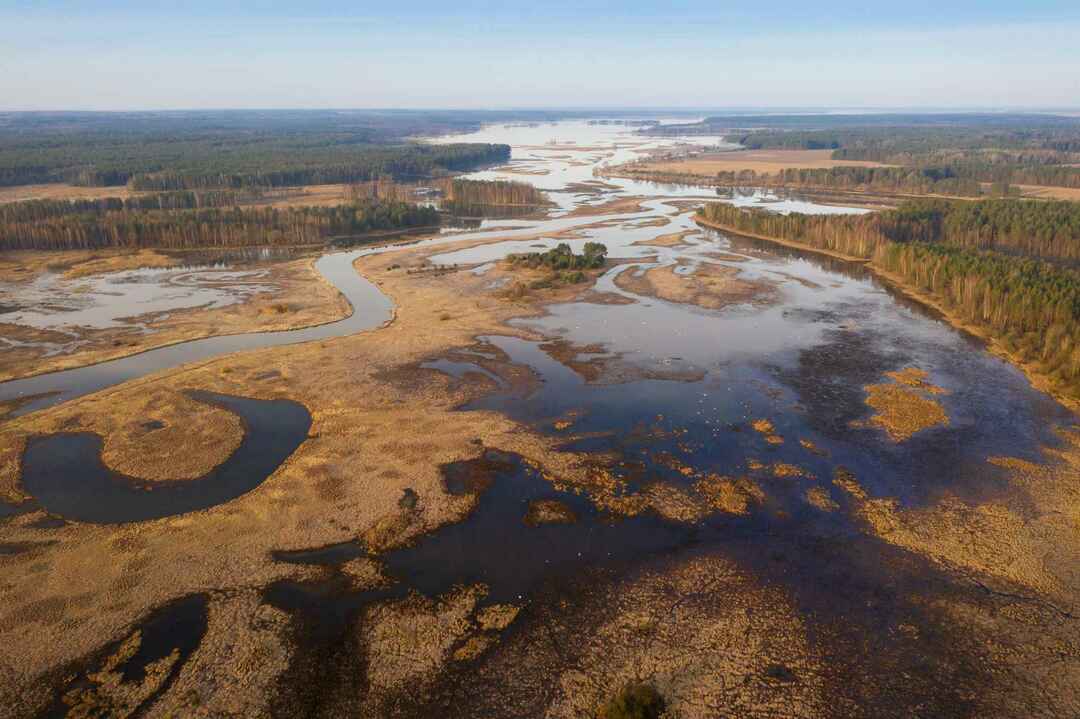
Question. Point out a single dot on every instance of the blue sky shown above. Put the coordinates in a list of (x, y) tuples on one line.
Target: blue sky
[(330, 53)]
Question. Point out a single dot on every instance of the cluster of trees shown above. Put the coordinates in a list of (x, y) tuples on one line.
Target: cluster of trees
[(1032, 305), (562, 258), (472, 198), (210, 227), (491, 192)]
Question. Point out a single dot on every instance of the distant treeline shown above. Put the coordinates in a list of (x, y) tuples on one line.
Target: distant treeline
[(209, 227), (34, 210), (208, 151), (240, 148), (968, 256), (405, 162), (1019, 156), (958, 150)]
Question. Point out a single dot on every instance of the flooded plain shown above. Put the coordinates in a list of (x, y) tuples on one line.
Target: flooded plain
[(749, 418)]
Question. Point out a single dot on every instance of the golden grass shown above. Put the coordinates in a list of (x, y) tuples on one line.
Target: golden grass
[(61, 191), (153, 439), (671, 239), (726, 494), (119, 262), (818, 497), (767, 161), (1045, 192), (711, 286), (903, 408)]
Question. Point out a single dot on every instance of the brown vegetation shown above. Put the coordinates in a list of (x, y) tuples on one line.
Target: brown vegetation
[(709, 285), (903, 407)]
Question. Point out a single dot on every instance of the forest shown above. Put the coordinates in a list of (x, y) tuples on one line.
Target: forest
[(983, 261), (932, 153), (208, 227), (212, 218), (236, 149), (244, 148)]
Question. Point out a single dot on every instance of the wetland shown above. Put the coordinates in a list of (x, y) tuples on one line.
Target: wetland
[(757, 480)]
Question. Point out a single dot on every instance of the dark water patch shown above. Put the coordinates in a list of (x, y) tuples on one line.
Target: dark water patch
[(828, 378), (9, 510), (879, 640), (408, 499), (13, 548), (176, 627), (460, 370), (66, 476), (328, 555), (48, 522)]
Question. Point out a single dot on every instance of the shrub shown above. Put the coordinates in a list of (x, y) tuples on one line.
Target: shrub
[(635, 701)]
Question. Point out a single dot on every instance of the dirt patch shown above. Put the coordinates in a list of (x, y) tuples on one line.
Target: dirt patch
[(768, 161), (118, 262), (61, 191), (708, 285), (671, 239)]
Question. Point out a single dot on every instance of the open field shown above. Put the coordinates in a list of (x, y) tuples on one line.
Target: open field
[(1045, 192), (317, 195), (770, 161), (62, 191)]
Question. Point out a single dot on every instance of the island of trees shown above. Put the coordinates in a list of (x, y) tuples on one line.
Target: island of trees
[(564, 266)]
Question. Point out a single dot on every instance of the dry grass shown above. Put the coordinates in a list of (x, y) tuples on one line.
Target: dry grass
[(153, 439), (671, 239), (1044, 192), (767, 161), (711, 286), (903, 407), (119, 262), (60, 191), (1034, 547), (734, 496)]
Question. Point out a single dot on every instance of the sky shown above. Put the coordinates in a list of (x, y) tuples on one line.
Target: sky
[(146, 55)]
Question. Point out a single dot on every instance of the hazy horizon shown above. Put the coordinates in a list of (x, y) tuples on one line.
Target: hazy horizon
[(57, 55)]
